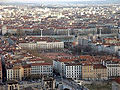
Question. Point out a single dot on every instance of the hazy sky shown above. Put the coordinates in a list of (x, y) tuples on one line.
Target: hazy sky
[(44, 0)]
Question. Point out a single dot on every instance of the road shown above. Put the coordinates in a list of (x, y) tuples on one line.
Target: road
[(70, 83)]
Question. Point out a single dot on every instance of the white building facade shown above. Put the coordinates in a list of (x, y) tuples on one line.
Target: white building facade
[(73, 71), (9, 74), (113, 69), (41, 69), (43, 45), (68, 70)]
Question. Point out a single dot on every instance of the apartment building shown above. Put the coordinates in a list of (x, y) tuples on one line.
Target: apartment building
[(100, 72), (113, 69), (42, 69), (60, 66), (68, 68), (15, 73), (73, 71), (94, 72), (42, 45), (27, 70), (87, 71), (10, 74)]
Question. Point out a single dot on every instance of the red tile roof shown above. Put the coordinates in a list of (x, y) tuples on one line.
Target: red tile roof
[(41, 64), (99, 66)]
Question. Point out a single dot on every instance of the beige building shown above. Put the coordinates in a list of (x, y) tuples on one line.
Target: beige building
[(100, 72), (18, 72), (87, 71), (15, 73), (27, 70), (94, 72)]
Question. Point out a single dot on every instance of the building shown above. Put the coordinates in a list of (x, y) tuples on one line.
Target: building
[(50, 45), (116, 84), (12, 85), (73, 71), (83, 41), (18, 72), (113, 69), (60, 66), (87, 71), (27, 70), (31, 45), (94, 72), (68, 68), (35, 60), (100, 72), (42, 69), (4, 29), (15, 73), (9, 74), (42, 44), (119, 52)]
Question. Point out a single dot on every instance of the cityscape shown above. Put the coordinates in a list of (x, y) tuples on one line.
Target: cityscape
[(60, 45)]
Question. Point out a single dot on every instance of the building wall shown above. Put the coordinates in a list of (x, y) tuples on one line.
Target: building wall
[(100, 74), (27, 72), (15, 73), (12, 87), (105, 48), (119, 52), (113, 70), (4, 30), (42, 70), (0, 75), (30, 62), (12, 31), (9, 74), (73, 72), (18, 74), (87, 72), (43, 45)]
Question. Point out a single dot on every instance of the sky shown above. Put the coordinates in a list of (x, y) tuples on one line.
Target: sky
[(55, 1), (44, 0)]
